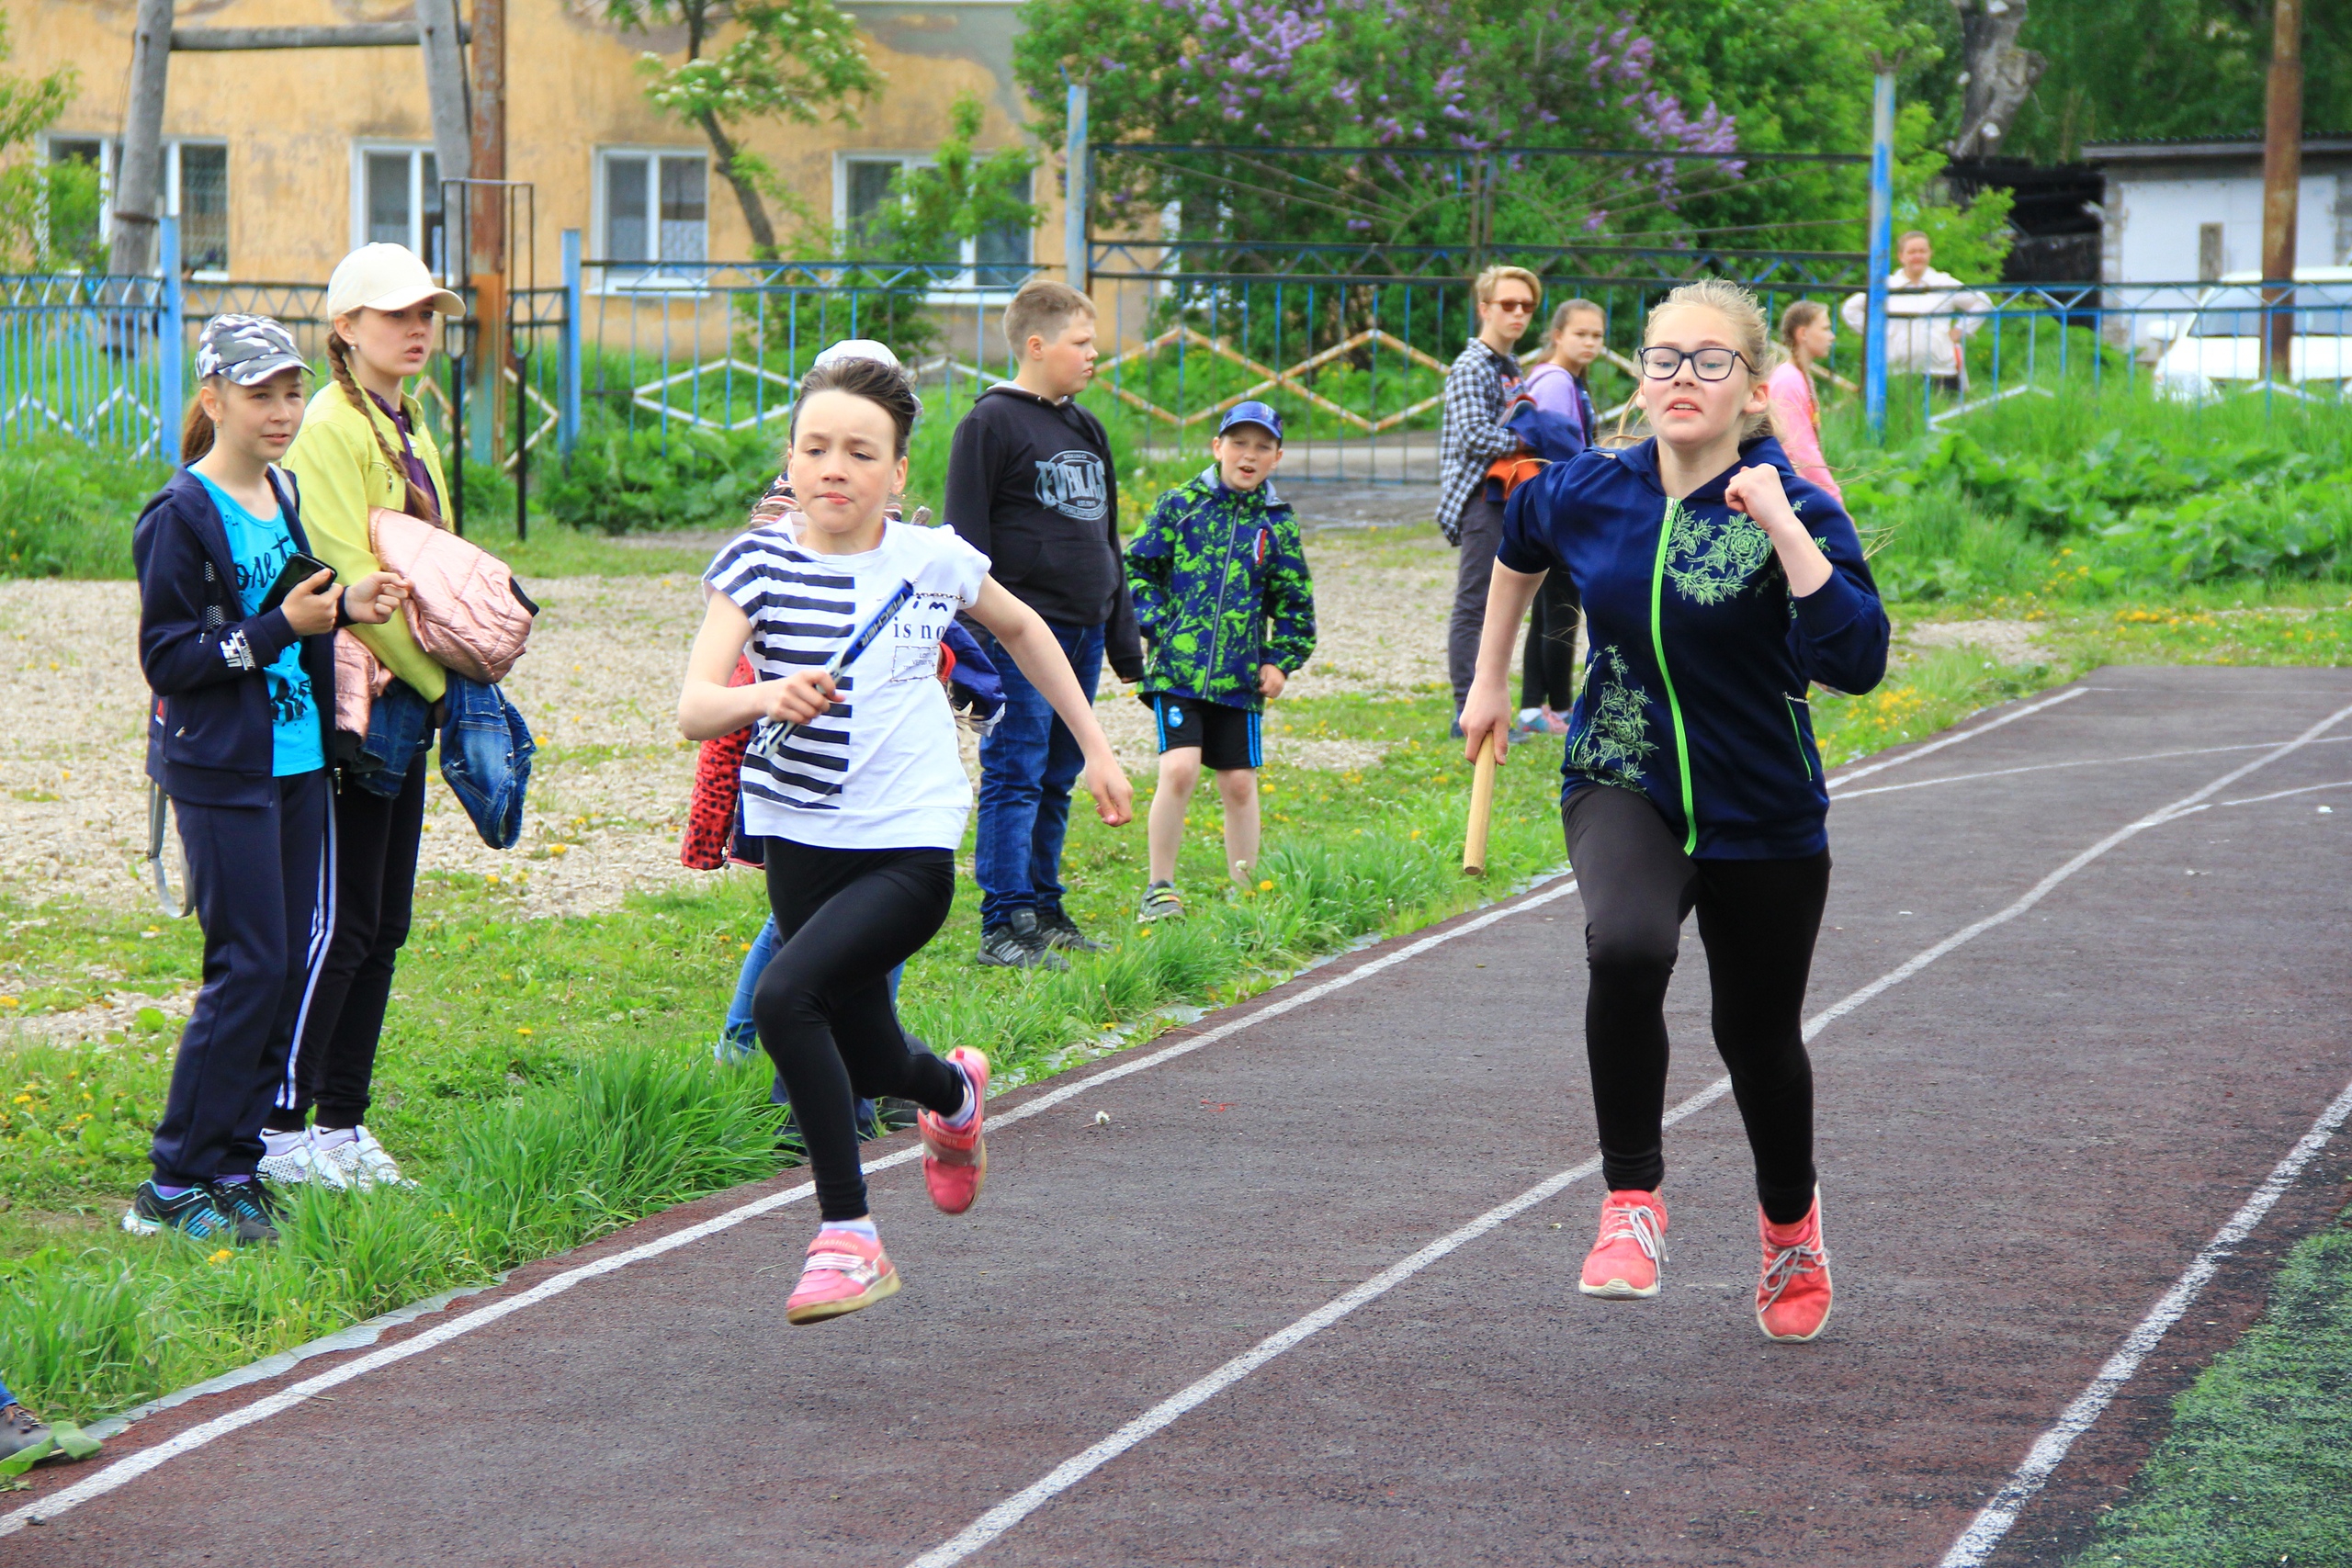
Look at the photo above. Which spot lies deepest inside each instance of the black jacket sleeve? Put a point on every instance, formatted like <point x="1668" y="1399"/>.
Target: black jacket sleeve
<point x="180" y="648"/>
<point x="1121" y="640"/>
<point x="971" y="481"/>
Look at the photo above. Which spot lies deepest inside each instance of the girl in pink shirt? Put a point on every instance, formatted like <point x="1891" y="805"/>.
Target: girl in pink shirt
<point x="1807" y="335"/>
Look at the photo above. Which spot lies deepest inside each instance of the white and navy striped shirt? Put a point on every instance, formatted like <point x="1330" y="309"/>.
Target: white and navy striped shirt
<point x="879" y="770"/>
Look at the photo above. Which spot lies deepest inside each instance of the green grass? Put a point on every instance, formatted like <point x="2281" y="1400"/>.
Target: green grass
<point x="2257" y="1468"/>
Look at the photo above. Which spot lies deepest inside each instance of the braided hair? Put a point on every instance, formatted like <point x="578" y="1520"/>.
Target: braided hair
<point x="414" y="502"/>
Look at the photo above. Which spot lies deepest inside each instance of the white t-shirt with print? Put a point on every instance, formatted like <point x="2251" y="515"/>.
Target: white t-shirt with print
<point x="879" y="771"/>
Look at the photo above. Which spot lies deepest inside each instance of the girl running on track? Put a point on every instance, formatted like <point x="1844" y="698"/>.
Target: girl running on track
<point x="854" y="783"/>
<point x="1717" y="585"/>
<point x="1806" y="337"/>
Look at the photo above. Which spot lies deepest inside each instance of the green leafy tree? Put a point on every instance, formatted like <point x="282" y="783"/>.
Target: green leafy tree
<point x="791" y="59"/>
<point x="2146" y="70"/>
<point x="48" y="212"/>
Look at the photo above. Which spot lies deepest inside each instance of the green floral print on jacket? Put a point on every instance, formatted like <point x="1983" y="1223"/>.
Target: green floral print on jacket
<point x="1220" y="587"/>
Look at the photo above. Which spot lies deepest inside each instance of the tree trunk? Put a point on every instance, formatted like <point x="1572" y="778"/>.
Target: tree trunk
<point x="1998" y="76"/>
<point x="139" y="177"/>
<point x="747" y="194"/>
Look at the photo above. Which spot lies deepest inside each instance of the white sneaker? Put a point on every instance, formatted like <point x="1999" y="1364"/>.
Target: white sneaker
<point x="305" y="1162"/>
<point x="370" y="1164"/>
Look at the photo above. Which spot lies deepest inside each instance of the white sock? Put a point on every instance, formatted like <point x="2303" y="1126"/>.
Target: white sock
<point x="276" y="1143"/>
<point x="971" y="1106"/>
<point x="855" y="1227"/>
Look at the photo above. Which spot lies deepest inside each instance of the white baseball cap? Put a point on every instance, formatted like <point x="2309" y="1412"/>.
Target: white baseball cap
<point x="858" y="348"/>
<point x="386" y="277"/>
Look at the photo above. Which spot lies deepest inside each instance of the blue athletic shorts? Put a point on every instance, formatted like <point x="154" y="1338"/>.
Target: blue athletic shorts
<point x="1228" y="737"/>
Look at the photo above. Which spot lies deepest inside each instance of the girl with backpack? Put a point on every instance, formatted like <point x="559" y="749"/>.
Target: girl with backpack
<point x="364" y="446"/>
<point x="1717" y="585"/>
<point x="853" y="782"/>
<point x="234" y="628"/>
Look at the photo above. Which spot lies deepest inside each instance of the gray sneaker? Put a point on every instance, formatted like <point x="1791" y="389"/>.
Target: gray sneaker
<point x="1060" y="931"/>
<point x="1161" y="902"/>
<point x="1019" y="944"/>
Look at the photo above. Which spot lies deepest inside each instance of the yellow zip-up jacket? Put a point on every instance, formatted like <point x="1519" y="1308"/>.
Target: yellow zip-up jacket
<point x="343" y="473"/>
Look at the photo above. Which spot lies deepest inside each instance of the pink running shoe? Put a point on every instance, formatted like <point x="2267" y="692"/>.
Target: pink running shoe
<point x="955" y="1163"/>
<point x="1623" y="1265"/>
<point x="1793" y="1294"/>
<point x="845" y="1272"/>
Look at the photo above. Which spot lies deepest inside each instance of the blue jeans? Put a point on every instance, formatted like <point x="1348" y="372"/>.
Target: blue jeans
<point x="1026" y="769"/>
<point x="743" y="1033"/>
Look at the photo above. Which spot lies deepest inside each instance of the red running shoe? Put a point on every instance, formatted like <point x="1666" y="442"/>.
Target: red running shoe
<point x="1793" y="1294"/>
<point x="1623" y="1265"/>
<point x="845" y="1272"/>
<point x="955" y="1162"/>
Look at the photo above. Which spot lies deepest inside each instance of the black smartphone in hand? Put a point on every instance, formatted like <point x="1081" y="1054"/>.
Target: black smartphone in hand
<point x="299" y="568"/>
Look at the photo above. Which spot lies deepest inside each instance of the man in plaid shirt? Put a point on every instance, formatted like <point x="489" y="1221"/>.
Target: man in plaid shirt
<point x="1470" y="439"/>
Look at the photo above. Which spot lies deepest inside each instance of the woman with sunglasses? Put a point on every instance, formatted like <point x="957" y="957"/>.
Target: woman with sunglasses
<point x="1717" y="586"/>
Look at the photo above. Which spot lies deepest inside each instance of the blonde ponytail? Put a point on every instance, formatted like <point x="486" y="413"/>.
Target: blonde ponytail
<point x="414" y="501"/>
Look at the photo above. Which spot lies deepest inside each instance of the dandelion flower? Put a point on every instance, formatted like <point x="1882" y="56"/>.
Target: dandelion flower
<point x="523" y="1028"/>
<point x="222" y="1256"/>
<point x="1267" y="886"/>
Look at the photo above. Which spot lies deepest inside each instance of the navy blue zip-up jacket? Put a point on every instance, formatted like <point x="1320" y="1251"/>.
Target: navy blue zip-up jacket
<point x="1695" y="688"/>
<point x="208" y="733"/>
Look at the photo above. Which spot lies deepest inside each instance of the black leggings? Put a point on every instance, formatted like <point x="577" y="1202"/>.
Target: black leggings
<point x="844" y="919"/>
<point x="1548" y="663"/>
<point x="1758" y="919"/>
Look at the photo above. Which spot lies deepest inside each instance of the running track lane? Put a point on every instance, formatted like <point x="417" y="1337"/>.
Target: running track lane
<point x="2085" y="1092"/>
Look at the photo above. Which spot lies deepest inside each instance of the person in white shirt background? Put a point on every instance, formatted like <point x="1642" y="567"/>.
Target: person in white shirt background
<point x="1930" y="315"/>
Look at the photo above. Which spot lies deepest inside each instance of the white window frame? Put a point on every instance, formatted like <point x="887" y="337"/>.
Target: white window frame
<point x="110" y="156"/>
<point x="965" y="284"/>
<point x="416" y="152"/>
<point x="640" y="278"/>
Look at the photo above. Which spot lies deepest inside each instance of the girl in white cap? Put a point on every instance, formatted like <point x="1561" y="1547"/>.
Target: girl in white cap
<point x="364" y="444"/>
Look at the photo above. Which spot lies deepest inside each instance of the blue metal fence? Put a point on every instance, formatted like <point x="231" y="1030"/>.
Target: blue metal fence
<point x="1352" y="342"/>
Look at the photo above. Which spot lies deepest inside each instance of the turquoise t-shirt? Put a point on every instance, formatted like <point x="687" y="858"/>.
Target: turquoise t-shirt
<point x="261" y="548"/>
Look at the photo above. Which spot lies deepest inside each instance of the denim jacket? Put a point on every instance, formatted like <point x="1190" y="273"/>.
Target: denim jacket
<point x="400" y="727"/>
<point x="486" y="758"/>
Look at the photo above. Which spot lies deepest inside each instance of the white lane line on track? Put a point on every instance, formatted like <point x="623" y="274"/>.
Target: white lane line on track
<point x="1850" y="774"/>
<point x="124" y="1470"/>
<point x="1983" y="1535"/>
<point x="2283" y="794"/>
<point x="2078" y="763"/>
<point x="1008" y="1512"/>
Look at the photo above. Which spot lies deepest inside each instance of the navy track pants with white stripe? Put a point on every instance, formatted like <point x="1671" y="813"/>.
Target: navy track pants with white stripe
<point x="259" y="873"/>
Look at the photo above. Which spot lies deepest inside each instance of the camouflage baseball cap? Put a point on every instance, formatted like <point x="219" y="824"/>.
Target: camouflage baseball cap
<point x="247" y="350"/>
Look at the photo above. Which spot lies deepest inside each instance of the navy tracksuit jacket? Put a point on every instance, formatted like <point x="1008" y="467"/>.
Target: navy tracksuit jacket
<point x="257" y="844"/>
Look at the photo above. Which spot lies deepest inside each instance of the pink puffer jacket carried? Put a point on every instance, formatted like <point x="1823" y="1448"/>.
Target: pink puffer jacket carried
<point x="360" y="680"/>
<point x="462" y="604"/>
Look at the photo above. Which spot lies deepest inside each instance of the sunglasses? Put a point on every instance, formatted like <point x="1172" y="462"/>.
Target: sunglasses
<point x="1660" y="364"/>
<point x="1516" y="306"/>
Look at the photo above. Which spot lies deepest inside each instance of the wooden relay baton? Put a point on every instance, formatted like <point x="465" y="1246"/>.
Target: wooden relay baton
<point x="1482" y="810"/>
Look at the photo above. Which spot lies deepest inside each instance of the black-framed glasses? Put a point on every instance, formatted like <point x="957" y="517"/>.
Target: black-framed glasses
<point x="1660" y="363"/>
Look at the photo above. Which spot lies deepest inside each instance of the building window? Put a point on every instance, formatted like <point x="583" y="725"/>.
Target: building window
<point x="997" y="260"/>
<point x="396" y="195"/>
<point x="196" y="191"/>
<point x="656" y="209"/>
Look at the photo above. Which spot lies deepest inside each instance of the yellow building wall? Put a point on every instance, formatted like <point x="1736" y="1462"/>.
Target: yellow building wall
<point x="291" y="118"/>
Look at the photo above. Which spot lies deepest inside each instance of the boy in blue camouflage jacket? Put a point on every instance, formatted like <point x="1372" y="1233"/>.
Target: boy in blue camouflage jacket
<point x="1221" y="595"/>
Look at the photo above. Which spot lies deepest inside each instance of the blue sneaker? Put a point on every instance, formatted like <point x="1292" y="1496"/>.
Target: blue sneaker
<point x="193" y="1213"/>
<point x="736" y="1046"/>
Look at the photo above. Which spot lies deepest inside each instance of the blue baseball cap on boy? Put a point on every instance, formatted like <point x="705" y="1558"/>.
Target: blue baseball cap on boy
<point x="1252" y="413"/>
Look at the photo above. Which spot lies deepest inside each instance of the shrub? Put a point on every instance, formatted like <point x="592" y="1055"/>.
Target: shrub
<point x="648" y="479"/>
<point x="63" y="514"/>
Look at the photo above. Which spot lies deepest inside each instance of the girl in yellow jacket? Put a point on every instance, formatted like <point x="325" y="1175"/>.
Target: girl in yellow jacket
<point x="363" y="445"/>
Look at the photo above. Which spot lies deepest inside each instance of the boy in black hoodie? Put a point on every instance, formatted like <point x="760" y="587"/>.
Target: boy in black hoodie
<point x="1031" y="485"/>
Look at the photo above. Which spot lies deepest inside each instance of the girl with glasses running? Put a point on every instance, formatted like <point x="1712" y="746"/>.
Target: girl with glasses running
<point x="1717" y="587"/>
<point x="854" y="783"/>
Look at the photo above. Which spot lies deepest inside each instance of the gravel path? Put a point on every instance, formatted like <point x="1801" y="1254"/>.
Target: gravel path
<point x="599" y="688"/>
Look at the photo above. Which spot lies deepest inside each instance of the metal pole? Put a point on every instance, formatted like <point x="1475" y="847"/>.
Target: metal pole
<point x="1076" y="159"/>
<point x="2282" y="175"/>
<point x="568" y="432"/>
<point x="139" y="177"/>
<point x="171" y="334"/>
<point x="487" y="219"/>
<point x="1882" y="249"/>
